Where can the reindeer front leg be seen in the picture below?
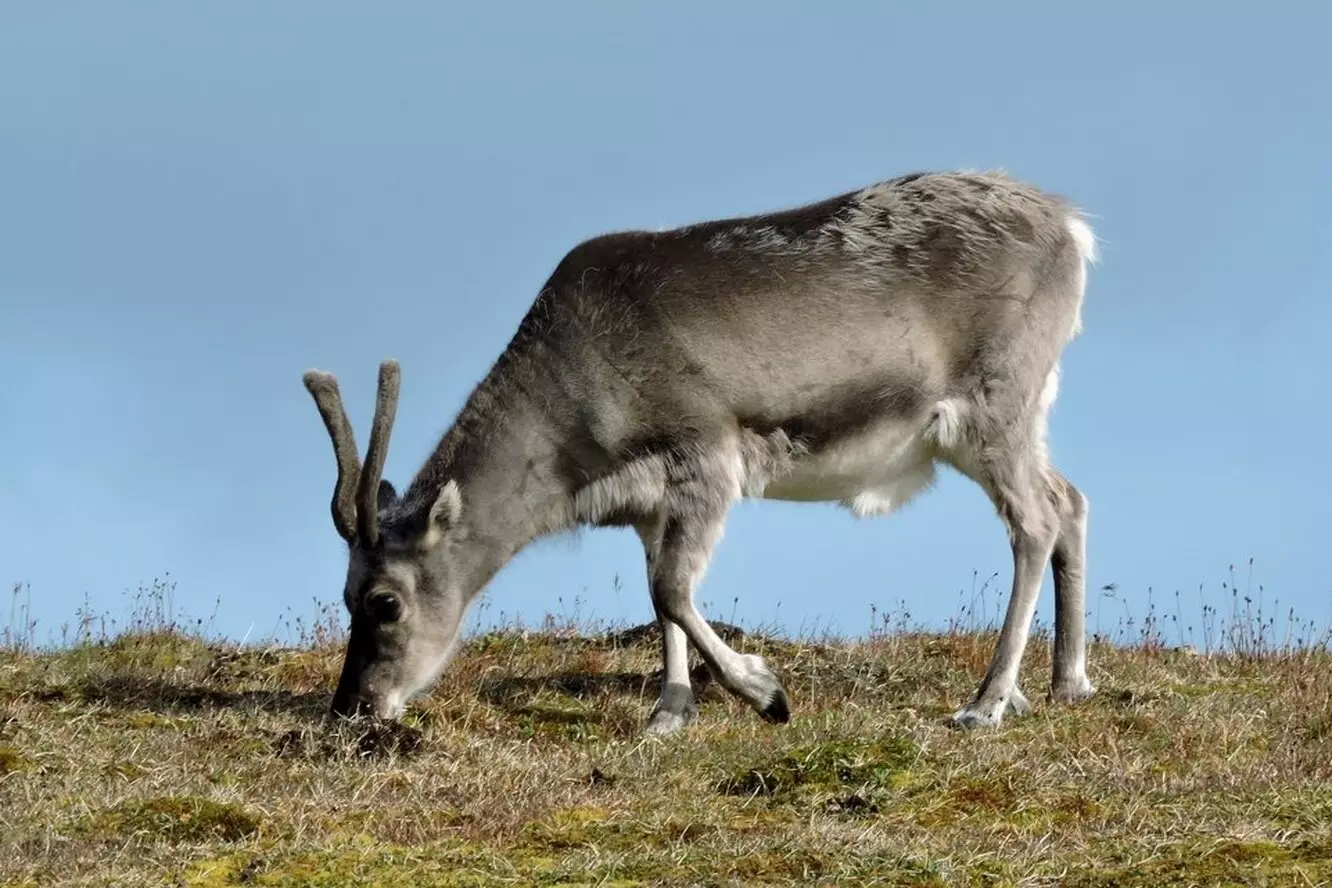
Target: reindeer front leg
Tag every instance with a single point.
(680, 545)
(675, 707)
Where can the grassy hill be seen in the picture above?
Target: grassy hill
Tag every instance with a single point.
(149, 756)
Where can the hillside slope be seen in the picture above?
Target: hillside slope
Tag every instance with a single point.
(155, 758)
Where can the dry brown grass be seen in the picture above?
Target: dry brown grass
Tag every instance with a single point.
(155, 758)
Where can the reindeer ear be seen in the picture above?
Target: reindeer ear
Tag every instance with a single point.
(448, 506)
(444, 513)
(388, 494)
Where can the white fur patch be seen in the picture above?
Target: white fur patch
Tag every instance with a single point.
(758, 239)
(676, 655)
(1084, 238)
(1085, 241)
(445, 511)
(722, 240)
(1051, 389)
(945, 427)
(639, 486)
(391, 706)
(888, 498)
(873, 473)
(752, 678)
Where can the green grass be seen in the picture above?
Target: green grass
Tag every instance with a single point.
(152, 756)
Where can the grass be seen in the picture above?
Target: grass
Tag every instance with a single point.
(151, 755)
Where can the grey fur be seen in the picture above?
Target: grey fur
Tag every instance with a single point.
(834, 351)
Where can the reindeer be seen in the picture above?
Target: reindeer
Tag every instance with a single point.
(833, 352)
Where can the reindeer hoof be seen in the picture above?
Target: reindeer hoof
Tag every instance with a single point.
(664, 724)
(1018, 703)
(1074, 690)
(971, 717)
(778, 710)
(675, 710)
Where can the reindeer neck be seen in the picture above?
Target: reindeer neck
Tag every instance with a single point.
(502, 453)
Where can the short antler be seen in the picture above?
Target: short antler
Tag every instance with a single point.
(324, 388)
(355, 497)
(367, 491)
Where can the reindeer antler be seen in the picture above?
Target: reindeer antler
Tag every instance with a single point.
(355, 504)
(367, 491)
(324, 388)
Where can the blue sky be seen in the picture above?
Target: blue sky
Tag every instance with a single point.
(200, 201)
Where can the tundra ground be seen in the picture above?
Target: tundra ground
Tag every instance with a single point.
(149, 755)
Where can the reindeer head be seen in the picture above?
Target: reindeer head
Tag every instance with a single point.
(404, 597)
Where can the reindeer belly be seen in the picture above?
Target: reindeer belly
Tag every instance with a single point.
(872, 472)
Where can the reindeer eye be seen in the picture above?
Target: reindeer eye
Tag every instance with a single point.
(385, 607)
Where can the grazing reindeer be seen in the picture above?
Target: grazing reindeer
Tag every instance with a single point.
(832, 352)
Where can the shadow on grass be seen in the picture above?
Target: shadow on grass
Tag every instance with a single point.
(136, 693)
(515, 694)
(650, 634)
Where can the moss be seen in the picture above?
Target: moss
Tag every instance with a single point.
(12, 761)
(368, 740)
(178, 819)
(358, 861)
(158, 651)
(457, 864)
(989, 794)
(963, 797)
(312, 669)
(389, 738)
(511, 642)
(1256, 863)
(569, 723)
(146, 720)
(126, 770)
(1076, 807)
(1141, 788)
(854, 764)
(1223, 686)
(581, 827)
(1299, 812)
(1318, 726)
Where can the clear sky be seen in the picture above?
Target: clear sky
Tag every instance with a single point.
(198, 202)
